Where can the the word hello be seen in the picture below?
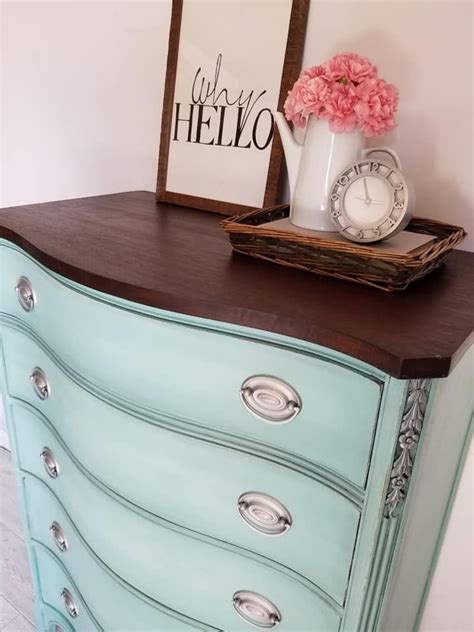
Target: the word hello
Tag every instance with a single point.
(214, 118)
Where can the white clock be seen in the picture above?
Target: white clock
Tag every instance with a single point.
(369, 201)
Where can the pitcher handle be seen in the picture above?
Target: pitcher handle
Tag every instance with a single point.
(383, 150)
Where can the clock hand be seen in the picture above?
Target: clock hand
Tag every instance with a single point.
(365, 200)
(366, 189)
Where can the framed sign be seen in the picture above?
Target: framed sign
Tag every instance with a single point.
(230, 66)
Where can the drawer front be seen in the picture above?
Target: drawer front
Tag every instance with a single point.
(181, 574)
(53, 580)
(99, 602)
(196, 375)
(53, 620)
(198, 485)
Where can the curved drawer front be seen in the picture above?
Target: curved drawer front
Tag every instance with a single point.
(101, 603)
(53, 581)
(53, 620)
(198, 375)
(198, 485)
(180, 574)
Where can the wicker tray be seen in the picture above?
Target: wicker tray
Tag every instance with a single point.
(344, 260)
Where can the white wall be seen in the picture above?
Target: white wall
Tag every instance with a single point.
(81, 96)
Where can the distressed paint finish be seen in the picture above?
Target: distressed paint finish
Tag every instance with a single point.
(209, 574)
(206, 508)
(195, 373)
(156, 447)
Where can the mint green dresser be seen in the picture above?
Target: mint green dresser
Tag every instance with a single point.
(204, 442)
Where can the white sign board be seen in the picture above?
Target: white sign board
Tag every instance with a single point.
(222, 92)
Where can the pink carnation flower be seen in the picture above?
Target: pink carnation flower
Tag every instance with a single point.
(340, 108)
(307, 97)
(347, 92)
(375, 110)
(293, 106)
(314, 71)
(351, 67)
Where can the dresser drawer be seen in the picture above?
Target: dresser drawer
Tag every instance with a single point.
(53, 620)
(182, 573)
(194, 376)
(94, 596)
(53, 580)
(198, 485)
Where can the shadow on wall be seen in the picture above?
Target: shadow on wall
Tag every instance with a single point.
(417, 139)
(436, 196)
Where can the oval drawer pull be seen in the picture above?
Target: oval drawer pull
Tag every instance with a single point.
(256, 609)
(50, 464)
(270, 399)
(25, 294)
(264, 513)
(69, 603)
(40, 383)
(58, 536)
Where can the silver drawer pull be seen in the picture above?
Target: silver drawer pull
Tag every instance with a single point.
(256, 609)
(264, 513)
(70, 604)
(54, 627)
(40, 383)
(25, 294)
(270, 399)
(50, 464)
(58, 536)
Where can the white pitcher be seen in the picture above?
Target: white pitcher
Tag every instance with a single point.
(313, 167)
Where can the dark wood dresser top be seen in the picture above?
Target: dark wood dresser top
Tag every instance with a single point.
(179, 259)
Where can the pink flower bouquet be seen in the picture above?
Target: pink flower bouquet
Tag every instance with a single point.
(348, 93)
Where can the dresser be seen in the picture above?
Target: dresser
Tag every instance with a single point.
(203, 441)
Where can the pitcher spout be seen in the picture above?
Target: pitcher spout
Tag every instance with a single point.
(291, 148)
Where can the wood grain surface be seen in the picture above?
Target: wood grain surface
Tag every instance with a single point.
(179, 259)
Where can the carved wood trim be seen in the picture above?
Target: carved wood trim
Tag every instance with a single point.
(407, 445)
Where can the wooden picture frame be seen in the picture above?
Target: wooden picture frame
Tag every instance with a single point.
(203, 162)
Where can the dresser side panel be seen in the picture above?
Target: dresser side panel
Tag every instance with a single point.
(433, 485)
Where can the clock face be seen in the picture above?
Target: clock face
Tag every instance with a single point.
(368, 201)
